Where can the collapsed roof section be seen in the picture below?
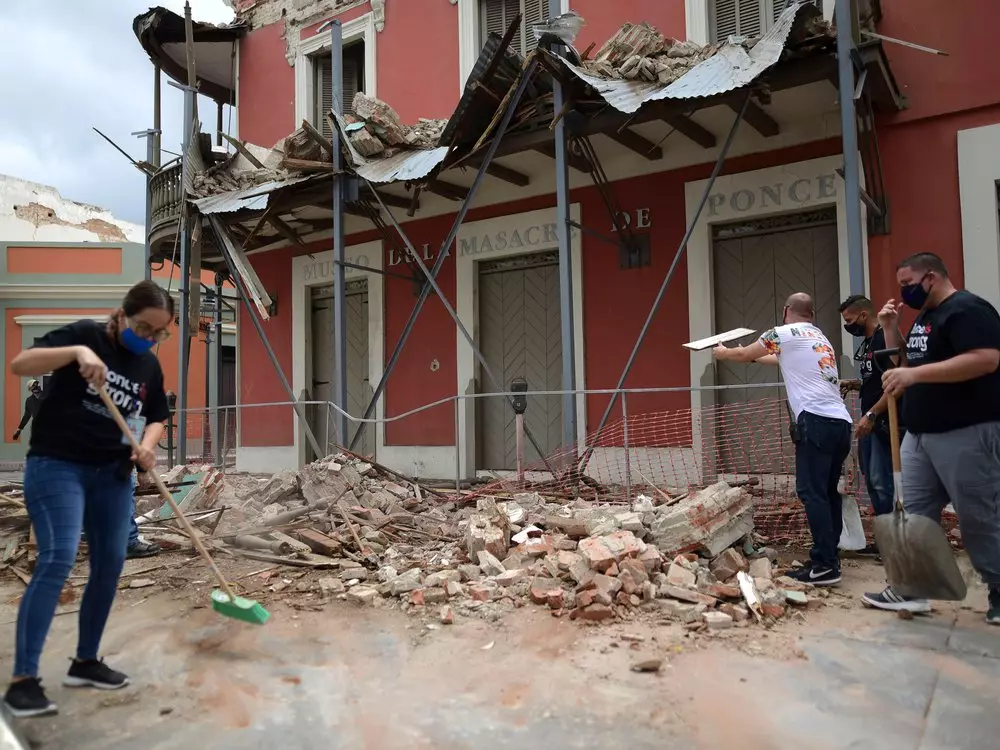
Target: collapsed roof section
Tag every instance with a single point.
(637, 79)
(161, 34)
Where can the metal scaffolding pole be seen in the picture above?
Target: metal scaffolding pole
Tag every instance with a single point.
(569, 415)
(157, 78)
(670, 274)
(214, 391)
(849, 131)
(339, 244)
(184, 353)
(221, 234)
(150, 136)
(425, 291)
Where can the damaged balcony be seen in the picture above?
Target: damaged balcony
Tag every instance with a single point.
(209, 64)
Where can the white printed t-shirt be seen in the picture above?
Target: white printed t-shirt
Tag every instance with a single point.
(809, 368)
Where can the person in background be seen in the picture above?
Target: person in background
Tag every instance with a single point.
(823, 426)
(951, 452)
(138, 545)
(872, 429)
(30, 406)
(77, 477)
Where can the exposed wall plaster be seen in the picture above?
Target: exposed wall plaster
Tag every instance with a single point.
(30, 212)
(300, 14)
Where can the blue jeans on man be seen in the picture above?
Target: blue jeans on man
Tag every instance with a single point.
(133, 527)
(876, 465)
(821, 446)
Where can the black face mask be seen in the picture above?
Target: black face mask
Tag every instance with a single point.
(855, 328)
(914, 295)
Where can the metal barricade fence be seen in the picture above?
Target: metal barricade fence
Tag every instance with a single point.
(663, 440)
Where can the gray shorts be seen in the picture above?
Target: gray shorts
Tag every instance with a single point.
(961, 467)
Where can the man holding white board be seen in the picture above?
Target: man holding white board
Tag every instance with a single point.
(823, 425)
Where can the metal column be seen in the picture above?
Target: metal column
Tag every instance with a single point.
(565, 256)
(214, 387)
(339, 249)
(849, 130)
(151, 136)
(184, 347)
(157, 78)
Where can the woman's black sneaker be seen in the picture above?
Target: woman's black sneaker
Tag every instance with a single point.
(94, 674)
(26, 698)
(993, 613)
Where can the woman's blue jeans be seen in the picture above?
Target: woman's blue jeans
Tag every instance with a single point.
(63, 499)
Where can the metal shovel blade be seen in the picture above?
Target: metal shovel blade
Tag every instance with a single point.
(918, 559)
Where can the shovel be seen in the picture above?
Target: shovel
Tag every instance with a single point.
(919, 562)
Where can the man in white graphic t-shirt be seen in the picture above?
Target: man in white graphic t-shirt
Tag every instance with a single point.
(823, 425)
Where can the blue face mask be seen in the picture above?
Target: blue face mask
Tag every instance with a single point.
(136, 343)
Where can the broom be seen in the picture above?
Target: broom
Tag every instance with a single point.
(224, 602)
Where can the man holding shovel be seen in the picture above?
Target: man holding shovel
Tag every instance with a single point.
(951, 452)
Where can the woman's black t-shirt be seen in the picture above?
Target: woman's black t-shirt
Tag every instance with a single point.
(72, 422)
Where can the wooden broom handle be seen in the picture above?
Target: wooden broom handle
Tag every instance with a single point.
(897, 462)
(165, 493)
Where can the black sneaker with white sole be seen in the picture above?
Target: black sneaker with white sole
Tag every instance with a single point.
(993, 613)
(815, 575)
(889, 600)
(142, 549)
(95, 674)
(26, 698)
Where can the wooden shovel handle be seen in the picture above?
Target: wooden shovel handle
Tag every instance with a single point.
(165, 494)
(897, 462)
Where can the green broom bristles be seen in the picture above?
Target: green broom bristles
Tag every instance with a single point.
(240, 609)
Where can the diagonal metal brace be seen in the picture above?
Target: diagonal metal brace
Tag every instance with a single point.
(461, 327)
(681, 251)
(425, 292)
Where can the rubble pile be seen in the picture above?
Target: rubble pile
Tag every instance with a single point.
(379, 539)
(638, 52)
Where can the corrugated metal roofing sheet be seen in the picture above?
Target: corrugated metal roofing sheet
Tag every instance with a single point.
(404, 166)
(254, 198)
(731, 68)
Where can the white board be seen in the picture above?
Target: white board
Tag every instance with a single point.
(720, 338)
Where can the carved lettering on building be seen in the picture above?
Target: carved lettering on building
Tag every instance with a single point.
(791, 194)
(322, 270)
(405, 256)
(638, 219)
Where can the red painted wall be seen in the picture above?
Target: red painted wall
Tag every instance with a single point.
(968, 78)
(266, 88)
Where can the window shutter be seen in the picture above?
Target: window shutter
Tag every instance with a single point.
(497, 15)
(324, 96)
(738, 17)
(533, 11)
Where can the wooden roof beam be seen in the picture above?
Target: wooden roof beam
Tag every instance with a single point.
(577, 162)
(448, 190)
(508, 175)
(691, 130)
(637, 143)
(757, 118)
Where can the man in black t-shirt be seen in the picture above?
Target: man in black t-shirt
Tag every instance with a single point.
(871, 430)
(30, 406)
(951, 452)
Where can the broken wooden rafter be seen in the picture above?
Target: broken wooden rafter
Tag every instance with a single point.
(244, 151)
(637, 143)
(318, 138)
(308, 165)
(393, 200)
(579, 163)
(691, 130)
(757, 118)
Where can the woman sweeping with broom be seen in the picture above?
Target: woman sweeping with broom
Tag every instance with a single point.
(78, 476)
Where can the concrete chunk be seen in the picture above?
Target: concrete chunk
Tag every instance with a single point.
(711, 519)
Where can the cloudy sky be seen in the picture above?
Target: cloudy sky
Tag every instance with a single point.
(70, 65)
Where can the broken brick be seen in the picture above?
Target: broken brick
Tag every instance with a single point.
(597, 555)
(678, 575)
(728, 564)
(417, 598)
(586, 598)
(636, 568)
(721, 590)
(479, 593)
(760, 568)
(542, 588)
(687, 595)
(717, 620)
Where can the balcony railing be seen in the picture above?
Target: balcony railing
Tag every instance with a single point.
(167, 196)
